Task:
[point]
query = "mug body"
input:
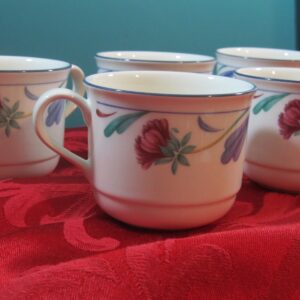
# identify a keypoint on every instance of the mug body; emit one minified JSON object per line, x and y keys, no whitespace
{"x":167,"y":147}
{"x":232,"y":58}
{"x":153,"y":60}
{"x":273,"y":147}
{"x":22,"y":81}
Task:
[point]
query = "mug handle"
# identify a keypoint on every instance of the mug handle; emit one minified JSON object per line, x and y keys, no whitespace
{"x":77,"y":77}
{"x":40,"y":128}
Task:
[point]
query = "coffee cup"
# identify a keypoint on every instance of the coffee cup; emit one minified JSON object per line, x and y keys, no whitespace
{"x":232,"y":58}
{"x":153,"y":60}
{"x":273,"y":146}
{"x":22,"y":81}
{"x":166,"y":149}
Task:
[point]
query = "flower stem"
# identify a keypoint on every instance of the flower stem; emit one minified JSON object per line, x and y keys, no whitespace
{"x":197,"y":150}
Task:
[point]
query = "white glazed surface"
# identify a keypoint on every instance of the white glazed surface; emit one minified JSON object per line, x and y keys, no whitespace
{"x":229,"y":59}
{"x":197,"y":191}
{"x":153,"y":60}
{"x":22,"y":80}
{"x":271,"y":158}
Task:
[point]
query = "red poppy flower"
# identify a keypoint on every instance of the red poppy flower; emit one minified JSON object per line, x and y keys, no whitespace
{"x":148,"y":145}
{"x":289,"y":120}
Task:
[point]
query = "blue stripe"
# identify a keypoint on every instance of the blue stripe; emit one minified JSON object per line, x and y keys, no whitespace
{"x":175,"y":113}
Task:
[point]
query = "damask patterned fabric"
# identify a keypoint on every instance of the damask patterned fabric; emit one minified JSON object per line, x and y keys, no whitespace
{"x":56,"y":243}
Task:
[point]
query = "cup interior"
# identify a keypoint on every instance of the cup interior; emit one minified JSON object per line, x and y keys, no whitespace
{"x":261,"y":53}
{"x":270,"y":73}
{"x":154,"y":56}
{"x":30,"y":64}
{"x":168,"y":83}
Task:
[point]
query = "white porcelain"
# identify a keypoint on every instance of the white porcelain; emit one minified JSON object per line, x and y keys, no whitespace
{"x":232,"y":58}
{"x":153,"y":60}
{"x":273,"y":147}
{"x":165,"y":148}
{"x":22,"y":81}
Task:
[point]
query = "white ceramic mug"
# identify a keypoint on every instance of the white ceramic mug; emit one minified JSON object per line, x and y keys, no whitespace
{"x":153,"y":60}
{"x":232,"y":58}
{"x":22,"y":81}
{"x":165,"y":148}
{"x":273,"y":147}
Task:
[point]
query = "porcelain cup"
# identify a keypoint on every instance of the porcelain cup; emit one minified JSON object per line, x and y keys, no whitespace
{"x":232,"y":58}
{"x":153,"y":60}
{"x":22,"y":81}
{"x":165,"y":148}
{"x":273,"y":147}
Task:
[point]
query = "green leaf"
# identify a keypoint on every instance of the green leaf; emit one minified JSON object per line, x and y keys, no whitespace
{"x":167,"y":151}
{"x":6,"y":109}
{"x":18,"y":114}
{"x":267,"y":103}
{"x":2,"y":117}
{"x":164,"y":160}
{"x":188,"y":149}
{"x":15,"y":106}
{"x":120,"y":124}
{"x":186,"y":139}
{"x":183,"y":160}
{"x":7,"y":131}
{"x":2,"y":124}
{"x":297,"y":133}
{"x":176,"y":130}
{"x":174,"y":144}
{"x":174,"y":166}
{"x":14,"y":124}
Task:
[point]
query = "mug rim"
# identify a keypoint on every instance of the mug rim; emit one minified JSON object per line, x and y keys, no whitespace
{"x":202,"y":58}
{"x":245,"y":57}
{"x":239,"y":72}
{"x":252,"y":87}
{"x":21,"y":70}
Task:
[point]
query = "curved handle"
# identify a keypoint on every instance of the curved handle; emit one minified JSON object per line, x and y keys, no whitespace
{"x":39,"y":124}
{"x":77,"y":76}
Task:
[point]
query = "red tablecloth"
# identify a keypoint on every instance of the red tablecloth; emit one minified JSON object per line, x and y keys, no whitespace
{"x":55,"y":243}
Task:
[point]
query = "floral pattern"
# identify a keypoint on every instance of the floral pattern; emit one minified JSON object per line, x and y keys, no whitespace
{"x":55,"y":112}
{"x":160,"y":144}
{"x":289,"y":120}
{"x":9,"y":116}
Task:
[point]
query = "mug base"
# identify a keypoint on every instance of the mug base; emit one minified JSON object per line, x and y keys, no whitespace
{"x":281,"y":180}
{"x":29,"y":169}
{"x":167,"y":217}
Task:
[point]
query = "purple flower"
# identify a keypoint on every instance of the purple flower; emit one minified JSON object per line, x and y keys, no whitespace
{"x":234,"y":143}
{"x":289,"y":120}
{"x":55,"y":112}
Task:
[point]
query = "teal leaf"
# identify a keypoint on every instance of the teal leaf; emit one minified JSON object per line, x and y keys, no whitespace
{"x":167,"y":151}
{"x":164,"y":160}
{"x":267,"y":103}
{"x":14,"y":124}
{"x":174,"y":143}
{"x":188,"y":149}
{"x":183,"y":160}
{"x":120,"y":124}
{"x":6,"y":109}
{"x":186,"y":139}
{"x":174,"y":166}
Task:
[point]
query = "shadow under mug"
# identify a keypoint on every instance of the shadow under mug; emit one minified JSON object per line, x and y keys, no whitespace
{"x":232,"y":58}
{"x":273,"y":144}
{"x":165,"y":148}
{"x":22,"y":81}
{"x":153,"y":60}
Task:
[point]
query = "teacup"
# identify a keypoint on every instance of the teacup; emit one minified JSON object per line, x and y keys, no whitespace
{"x":273,"y":147}
{"x":153,"y":60}
{"x":229,"y":59}
{"x":165,"y":148}
{"x":22,"y":81}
